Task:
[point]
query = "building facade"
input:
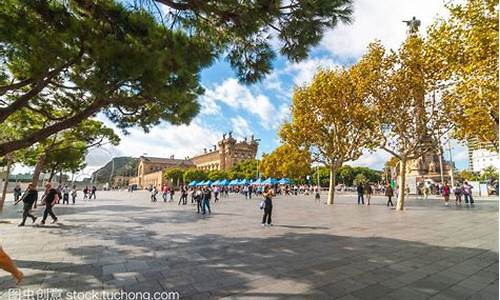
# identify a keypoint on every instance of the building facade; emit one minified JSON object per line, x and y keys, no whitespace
{"x":480,"y":157}
{"x":227,"y":153}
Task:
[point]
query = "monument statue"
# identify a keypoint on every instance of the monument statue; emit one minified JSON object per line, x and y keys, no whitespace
{"x":230,"y":134}
{"x":413,"y":25}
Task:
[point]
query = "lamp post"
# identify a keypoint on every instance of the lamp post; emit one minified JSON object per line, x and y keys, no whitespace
{"x":451,"y":165}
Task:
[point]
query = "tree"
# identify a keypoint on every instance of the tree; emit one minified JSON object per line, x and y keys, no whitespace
{"x":246,"y":169}
{"x":217,"y":175}
{"x":464,"y":50}
{"x":360,"y":179}
{"x":286,"y":161}
{"x":66,"y":150}
{"x":333,"y":116}
{"x":467,"y":175}
{"x":174,"y":174}
{"x":69,"y":60}
{"x":194,"y":175}
{"x":410,"y":113}
{"x":489,"y":174}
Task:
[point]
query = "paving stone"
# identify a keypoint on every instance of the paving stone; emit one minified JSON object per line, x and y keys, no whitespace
{"x":125,"y":242}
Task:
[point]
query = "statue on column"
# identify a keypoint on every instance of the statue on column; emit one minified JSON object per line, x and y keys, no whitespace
{"x":413,"y":25}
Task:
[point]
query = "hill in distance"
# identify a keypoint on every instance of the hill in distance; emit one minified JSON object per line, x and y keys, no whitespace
{"x":124,"y":166}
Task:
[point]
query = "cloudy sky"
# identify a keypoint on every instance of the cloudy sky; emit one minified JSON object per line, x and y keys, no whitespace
{"x":259,"y":109}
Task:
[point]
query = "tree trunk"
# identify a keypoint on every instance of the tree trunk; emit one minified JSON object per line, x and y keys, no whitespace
{"x":402,"y":185}
{"x":52,"y":173}
{"x":60,"y":177}
{"x":38,"y":169}
{"x":331,"y":190}
{"x":5,"y":184}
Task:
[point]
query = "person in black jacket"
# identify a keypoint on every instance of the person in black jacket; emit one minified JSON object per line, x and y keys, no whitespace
{"x":360,"y":191}
{"x":30,"y":197}
{"x":51,"y":198}
{"x":267,"y":205}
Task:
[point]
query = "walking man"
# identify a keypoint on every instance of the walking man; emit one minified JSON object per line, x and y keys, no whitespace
{"x":51,"y":198}
{"x":360,"y":191}
{"x":206,"y":195}
{"x":30,"y":197}
{"x":93,"y":192}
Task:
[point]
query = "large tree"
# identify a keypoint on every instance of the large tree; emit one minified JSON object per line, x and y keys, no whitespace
{"x":286,"y":161}
{"x":409,"y":106}
{"x":464,"y":50}
{"x":66,"y":150}
{"x":69,"y":60}
{"x":334,"y":117}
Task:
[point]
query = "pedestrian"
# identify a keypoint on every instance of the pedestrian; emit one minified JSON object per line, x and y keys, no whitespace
{"x":317,"y":194}
{"x":17,"y":192}
{"x":206,"y":195}
{"x":184,"y":195}
{"x":267,"y":206}
{"x":369,"y":192}
{"x":216,"y":194}
{"x":467,"y":191}
{"x":94,"y":189}
{"x":446,"y":193}
{"x":85,"y":192}
{"x":65,"y":193}
{"x":30,"y":197}
{"x":458,"y":191}
{"x":73,"y":194}
{"x":51,"y":197}
{"x":172,"y":192}
{"x":389,"y":192}
{"x":360,"y":191}
{"x":164,"y":192}
{"x":8,"y":265}
{"x":197,"y":197}
{"x":154,"y":192}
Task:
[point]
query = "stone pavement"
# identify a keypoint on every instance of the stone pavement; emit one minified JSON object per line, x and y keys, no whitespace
{"x":124,"y":242}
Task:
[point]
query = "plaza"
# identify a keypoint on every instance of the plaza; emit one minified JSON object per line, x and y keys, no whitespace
{"x":124,"y":242}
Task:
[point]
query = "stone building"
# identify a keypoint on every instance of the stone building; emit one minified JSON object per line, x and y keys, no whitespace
{"x":223,"y":156}
{"x":227,"y":153}
{"x":150,"y":169}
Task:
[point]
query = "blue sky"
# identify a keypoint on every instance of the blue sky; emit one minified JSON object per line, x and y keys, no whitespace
{"x":260,"y":108}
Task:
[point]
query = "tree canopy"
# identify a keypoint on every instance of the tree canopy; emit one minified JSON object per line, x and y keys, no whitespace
{"x":334,"y":115}
{"x":69,"y":60}
{"x":464,"y":51}
{"x":286,"y":161}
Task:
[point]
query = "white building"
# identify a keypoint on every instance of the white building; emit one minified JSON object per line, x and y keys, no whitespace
{"x":482,"y":158}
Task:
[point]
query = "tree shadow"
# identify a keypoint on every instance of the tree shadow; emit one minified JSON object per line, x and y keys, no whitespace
{"x":303,"y":265}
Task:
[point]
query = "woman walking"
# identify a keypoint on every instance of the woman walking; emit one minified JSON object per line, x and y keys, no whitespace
{"x":446,"y":193}
{"x":267,"y":206}
{"x":389,"y":193}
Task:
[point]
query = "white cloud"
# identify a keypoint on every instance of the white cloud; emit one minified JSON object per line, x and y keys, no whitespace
{"x":303,"y":72}
{"x":374,"y":160}
{"x":238,"y":96}
{"x":380,"y":20}
{"x":241,"y":126}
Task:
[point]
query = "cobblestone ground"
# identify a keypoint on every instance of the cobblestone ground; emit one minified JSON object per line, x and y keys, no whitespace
{"x":124,"y":242}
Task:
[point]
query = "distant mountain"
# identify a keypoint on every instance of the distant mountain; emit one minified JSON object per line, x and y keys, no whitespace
{"x":124,"y":166}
